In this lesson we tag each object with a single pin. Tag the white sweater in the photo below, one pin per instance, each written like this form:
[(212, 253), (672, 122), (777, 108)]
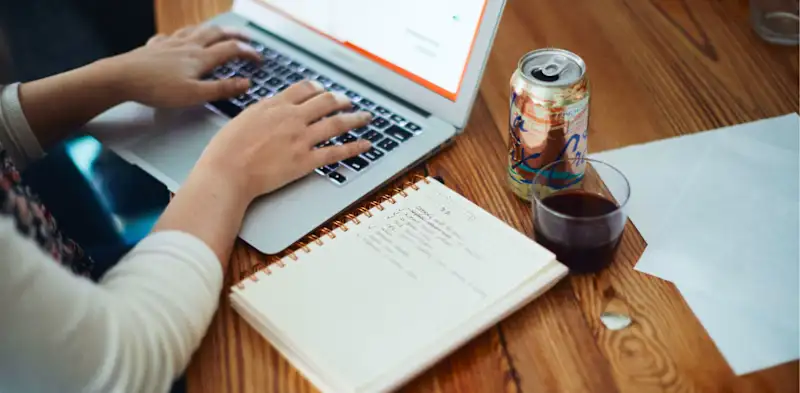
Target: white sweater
[(134, 331)]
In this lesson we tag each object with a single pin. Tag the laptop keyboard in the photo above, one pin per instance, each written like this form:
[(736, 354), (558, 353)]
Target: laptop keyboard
[(386, 132)]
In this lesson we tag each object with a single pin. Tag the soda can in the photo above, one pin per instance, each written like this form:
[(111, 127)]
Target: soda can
[(549, 118)]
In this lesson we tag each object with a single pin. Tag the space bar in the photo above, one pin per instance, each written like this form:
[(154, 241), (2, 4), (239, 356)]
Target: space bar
[(226, 107)]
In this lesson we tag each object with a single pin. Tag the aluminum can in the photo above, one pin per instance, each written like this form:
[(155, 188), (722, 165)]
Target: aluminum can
[(549, 118)]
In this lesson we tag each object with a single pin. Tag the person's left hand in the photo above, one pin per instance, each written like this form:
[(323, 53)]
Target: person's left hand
[(167, 71)]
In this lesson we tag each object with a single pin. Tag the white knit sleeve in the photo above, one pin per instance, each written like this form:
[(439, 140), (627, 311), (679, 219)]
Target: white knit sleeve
[(135, 331), (15, 133)]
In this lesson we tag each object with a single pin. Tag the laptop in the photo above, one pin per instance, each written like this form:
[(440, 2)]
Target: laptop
[(416, 65)]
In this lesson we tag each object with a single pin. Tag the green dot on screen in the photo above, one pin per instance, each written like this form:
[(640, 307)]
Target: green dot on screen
[(455, 18)]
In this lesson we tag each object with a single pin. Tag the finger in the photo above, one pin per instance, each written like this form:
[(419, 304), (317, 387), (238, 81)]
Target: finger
[(323, 105), (300, 92), (336, 125), (223, 52), (210, 35), (184, 32), (222, 89), (329, 155), (156, 39)]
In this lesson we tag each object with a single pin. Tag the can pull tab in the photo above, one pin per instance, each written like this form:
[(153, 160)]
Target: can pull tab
[(550, 71), (553, 67)]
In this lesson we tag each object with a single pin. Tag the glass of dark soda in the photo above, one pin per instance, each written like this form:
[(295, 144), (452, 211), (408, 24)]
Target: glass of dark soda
[(579, 212)]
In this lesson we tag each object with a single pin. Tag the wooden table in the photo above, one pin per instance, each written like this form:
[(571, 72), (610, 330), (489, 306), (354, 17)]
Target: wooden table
[(659, 68)]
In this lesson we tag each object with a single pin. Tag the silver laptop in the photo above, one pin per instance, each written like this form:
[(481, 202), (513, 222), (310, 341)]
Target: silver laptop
[(416, 65)]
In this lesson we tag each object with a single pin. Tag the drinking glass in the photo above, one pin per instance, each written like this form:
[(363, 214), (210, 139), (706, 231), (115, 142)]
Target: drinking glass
[(580, 216), (776, 21)]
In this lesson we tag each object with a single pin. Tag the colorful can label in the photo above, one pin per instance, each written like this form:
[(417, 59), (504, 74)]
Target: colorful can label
[(549, 118)]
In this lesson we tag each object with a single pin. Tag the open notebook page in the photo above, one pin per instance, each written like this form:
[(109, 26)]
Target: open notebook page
[(381, 293)]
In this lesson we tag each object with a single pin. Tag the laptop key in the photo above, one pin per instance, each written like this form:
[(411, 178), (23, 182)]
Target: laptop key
[(388, 144), (257, 45), (366, 103), (360, 130), (379, 122), (323, 170), (274, 82), (244, 103), (353, 95), (324, 144), (353, 108), (267, 64), (283, 59), (295, 65), (309, 73), (295, 77), (383, 111), (373, 154), (223, 70), (262, 92), (413, 127), (397, 119), (337, 177), (324, 80), (346, 138), (281, 71), (227, 107), (372, 136), (398, 133), (261, 74), (356, 163), (337, 87), (249, 67), (267, 52)]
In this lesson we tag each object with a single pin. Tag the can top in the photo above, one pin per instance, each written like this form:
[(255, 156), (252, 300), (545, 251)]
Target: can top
[(552, 67)]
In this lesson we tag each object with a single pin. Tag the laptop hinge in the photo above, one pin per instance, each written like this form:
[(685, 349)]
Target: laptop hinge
[(405, 103)]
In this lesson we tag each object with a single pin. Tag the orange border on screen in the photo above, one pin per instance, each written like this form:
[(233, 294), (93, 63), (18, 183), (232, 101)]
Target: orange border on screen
[(402, 71)]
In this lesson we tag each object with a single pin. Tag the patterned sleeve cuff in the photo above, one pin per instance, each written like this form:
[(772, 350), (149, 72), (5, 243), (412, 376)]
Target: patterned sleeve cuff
[(16, 135)]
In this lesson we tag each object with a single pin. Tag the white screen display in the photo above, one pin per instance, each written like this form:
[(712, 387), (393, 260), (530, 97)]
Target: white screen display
[(427, 41)]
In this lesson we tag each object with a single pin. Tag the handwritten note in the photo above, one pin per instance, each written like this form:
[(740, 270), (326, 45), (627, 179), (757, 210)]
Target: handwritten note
[(419, 234)]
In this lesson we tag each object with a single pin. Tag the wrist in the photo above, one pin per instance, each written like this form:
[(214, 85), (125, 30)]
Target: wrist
[(109, 79), (227, 184)]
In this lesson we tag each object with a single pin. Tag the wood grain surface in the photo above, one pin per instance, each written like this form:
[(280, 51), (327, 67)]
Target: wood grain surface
[(659, 68)]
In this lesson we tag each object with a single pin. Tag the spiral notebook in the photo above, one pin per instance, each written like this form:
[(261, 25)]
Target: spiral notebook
[(374, 302)]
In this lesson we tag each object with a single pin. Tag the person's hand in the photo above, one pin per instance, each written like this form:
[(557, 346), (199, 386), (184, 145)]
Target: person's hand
[(166, 71), (272, 143)]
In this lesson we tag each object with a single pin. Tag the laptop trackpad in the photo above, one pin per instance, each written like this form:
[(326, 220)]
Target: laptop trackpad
[(179, 141)]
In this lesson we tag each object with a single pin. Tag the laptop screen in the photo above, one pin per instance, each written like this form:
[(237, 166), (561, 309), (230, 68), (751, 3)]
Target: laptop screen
[(426, 41)]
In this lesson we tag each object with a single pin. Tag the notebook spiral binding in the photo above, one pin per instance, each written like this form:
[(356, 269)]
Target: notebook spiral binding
[(324, 232)]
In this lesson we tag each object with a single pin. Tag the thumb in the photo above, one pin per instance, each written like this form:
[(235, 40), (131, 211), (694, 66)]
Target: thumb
[(223, 89)]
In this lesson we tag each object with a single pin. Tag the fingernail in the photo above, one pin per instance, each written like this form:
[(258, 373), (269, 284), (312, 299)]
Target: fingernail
[(246, 46), (341, 98), (243, 83), (366, 115), (317, 86)]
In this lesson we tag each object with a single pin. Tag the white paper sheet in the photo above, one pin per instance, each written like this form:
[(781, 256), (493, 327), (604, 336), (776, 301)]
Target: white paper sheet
[(719, 211)]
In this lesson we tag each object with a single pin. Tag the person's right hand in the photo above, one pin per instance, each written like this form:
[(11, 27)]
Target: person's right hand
[(272, 143)]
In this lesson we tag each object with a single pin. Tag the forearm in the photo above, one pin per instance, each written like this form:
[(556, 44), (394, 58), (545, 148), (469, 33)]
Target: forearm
[(57, 105), (132, 332), (209, 207)]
